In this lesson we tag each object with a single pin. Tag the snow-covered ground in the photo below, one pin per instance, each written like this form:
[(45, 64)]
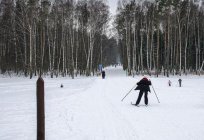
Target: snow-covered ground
[(91, 109)]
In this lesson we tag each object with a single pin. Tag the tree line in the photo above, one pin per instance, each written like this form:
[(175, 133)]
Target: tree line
[(65, 37), (161, 36)]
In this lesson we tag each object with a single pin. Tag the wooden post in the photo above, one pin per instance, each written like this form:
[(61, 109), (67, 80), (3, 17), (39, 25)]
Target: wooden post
[(40, 110)]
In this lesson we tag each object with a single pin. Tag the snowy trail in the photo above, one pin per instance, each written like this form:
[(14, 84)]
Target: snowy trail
[(102, 115), (91, 109)]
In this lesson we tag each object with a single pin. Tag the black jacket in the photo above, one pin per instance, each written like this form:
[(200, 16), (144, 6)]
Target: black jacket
[(103, 74), (143, 85)]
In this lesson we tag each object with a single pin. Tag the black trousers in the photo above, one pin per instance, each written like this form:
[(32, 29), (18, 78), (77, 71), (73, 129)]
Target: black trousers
[(140, 96)]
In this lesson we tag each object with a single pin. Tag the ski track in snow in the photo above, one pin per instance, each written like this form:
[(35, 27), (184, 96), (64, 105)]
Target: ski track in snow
[(91, 109)]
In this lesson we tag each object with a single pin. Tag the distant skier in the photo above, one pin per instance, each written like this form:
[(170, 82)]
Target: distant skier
[(143, 86), (180, 82), (103, 74), (169, 83)]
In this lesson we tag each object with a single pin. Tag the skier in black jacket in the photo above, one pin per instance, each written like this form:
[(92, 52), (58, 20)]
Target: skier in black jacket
[(143, 86), (180, 82), (103, 74)]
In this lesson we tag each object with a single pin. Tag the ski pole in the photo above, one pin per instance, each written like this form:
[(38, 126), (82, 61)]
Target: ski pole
[(128, 93), (155, 94)]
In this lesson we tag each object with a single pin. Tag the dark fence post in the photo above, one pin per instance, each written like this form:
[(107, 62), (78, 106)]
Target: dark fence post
[(40, 110)]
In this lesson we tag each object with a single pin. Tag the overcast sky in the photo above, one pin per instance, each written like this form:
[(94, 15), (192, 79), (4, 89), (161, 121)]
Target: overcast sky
[(113, 6)]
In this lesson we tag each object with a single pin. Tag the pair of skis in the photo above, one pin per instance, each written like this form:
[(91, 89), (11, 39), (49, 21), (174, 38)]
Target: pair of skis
[(137, 105)]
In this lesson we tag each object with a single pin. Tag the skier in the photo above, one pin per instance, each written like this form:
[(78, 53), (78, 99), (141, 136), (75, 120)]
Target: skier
[(169, 83), (143, 86), (103, 74), (180, 82)]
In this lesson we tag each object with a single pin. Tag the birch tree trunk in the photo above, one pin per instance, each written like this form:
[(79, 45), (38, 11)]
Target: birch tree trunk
[(168, 45), (151, 47), (54, 46), (72, 52), (128, 47), (89, 55), (34, 49), (198, 59), (31, 51), (180, 45), (63, 48), (148, 51), (158, 44), (77, 47), (134, 49), (25, 50), (186, 39)]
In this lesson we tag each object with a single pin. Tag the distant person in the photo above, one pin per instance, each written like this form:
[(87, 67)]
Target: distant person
[(169, 83), (179, 82), (103, 74), (143, 86), (100, 67)]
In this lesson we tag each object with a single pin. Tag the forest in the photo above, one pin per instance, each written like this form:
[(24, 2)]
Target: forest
[(62, 37), (161, 36), (70, 38)]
